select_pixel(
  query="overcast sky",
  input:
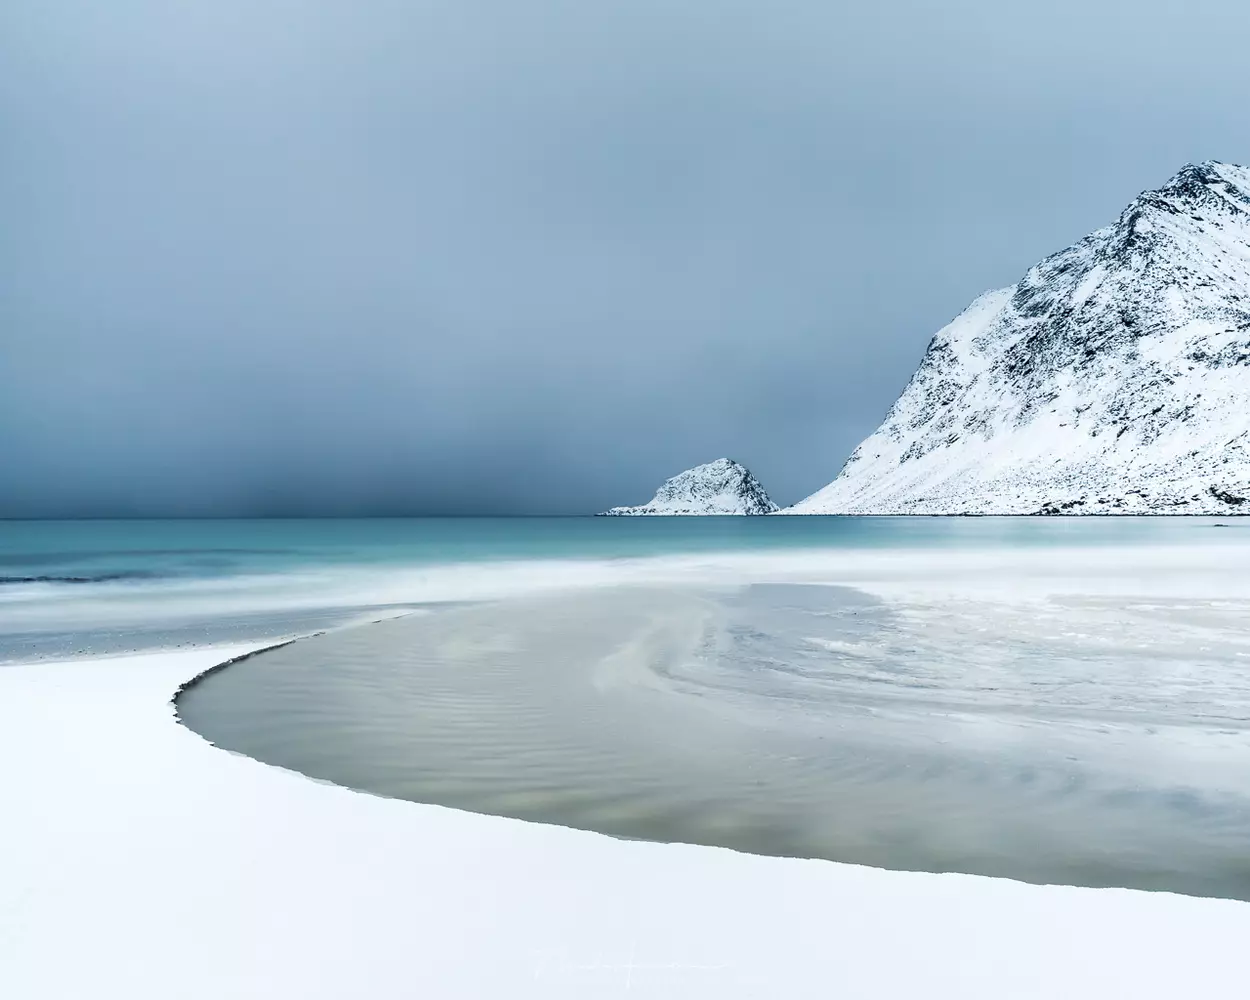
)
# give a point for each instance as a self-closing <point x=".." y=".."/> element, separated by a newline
<point x="455" y="256"/>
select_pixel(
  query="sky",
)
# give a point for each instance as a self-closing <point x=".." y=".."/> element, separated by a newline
<point x="486" y="257"/>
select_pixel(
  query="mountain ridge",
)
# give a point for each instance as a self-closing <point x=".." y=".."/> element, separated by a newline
<point x="1114" y="377"/>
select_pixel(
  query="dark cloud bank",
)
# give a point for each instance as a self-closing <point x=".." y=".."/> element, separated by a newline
<point x="488" y="257"/>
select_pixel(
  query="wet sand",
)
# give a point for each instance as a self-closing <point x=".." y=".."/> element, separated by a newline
<point x="1089" y="740"/>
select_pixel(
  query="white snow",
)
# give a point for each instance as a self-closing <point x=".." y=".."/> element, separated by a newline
<point x="1113" y="378"/>
<point x="1088" y="285"/>
<point x="137" y="861"/>
<point x="720" y="487"/>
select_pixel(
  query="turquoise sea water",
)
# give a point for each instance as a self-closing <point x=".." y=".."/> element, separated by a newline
<point x="83" y="551"/>
<point x="69" y="587"/>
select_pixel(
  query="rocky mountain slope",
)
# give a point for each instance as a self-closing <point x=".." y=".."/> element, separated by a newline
<point x="1113" y="378"/>
<point x="720" y="487"/>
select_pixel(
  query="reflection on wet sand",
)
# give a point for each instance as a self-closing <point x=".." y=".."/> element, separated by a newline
<point x="1083" y="740"/>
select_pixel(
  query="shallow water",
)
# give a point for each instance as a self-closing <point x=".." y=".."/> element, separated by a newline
<point x="1073" y="736"/>
<point x="92" y="587"/>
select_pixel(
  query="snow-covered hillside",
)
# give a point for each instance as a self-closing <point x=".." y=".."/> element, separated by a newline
<point x="720" y="487"/>
<point x="1114" y="378"/>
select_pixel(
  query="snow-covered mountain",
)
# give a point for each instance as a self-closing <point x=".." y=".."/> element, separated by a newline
<point x="720" y="487"/>
<point x="1113" y="378"/>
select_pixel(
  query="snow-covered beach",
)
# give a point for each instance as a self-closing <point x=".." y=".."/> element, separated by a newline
<point x="139" y="861"/>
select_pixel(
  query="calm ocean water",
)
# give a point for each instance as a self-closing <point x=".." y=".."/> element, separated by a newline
<point x="1052" y="700"/>
<point x="71" y="587"/>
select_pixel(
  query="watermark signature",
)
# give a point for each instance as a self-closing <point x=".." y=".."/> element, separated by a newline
<point x="625" y="969"/>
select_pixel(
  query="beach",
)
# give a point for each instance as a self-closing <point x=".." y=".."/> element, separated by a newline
<point x="139" y="861"/>
<point x="142" y="862"/>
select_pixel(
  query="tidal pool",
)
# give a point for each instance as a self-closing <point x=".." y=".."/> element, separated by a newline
<point x="1083" y="740"/>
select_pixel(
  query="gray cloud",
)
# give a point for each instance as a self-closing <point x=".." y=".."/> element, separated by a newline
<point x="488" y="257"/>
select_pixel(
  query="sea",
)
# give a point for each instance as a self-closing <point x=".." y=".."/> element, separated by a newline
<point x="1049" y="699"/>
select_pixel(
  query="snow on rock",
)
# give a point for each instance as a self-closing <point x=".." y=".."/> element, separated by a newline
<point x="1113" y="378"/>
<point x="720" y="487"/>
